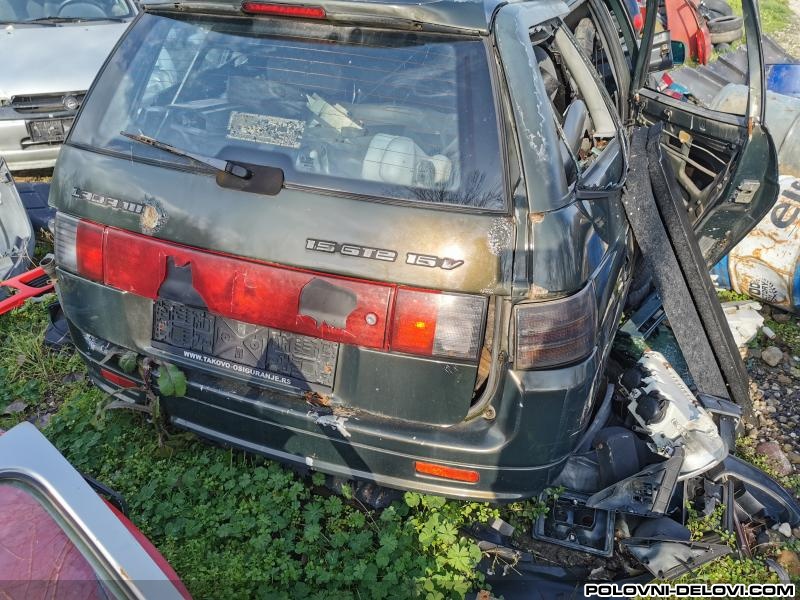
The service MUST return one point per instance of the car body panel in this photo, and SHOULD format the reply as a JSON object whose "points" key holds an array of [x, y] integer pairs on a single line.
{"points": [[17, 238], [482, 241], [732, 207], [46, 61], [42, 59], [472, 16], [120, 562]]}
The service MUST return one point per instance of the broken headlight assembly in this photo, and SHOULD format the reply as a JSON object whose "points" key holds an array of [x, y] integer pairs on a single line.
{"points": [[660, 454]]}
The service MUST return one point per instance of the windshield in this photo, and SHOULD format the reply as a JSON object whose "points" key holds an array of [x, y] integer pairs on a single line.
{"points": [[382, 114], [23, 11]]}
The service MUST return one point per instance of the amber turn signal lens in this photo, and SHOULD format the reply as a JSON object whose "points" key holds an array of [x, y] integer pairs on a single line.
{"points": [[434, 470]]}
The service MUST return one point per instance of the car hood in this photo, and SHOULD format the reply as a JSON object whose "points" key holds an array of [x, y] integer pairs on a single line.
{"points": [[45, 59]]}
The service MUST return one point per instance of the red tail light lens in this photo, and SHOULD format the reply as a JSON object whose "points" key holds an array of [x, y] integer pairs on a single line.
{"points": [[434, 324], [556, 332], [423, 322], [79, 246], [283, 10]]}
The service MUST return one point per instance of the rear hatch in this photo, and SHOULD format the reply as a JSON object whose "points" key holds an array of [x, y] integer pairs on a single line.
{"points": [[367, 277]]}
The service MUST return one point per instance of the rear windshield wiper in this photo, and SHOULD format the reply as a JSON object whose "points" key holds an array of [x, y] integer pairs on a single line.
{"points": [[217, 164], [257, 179]]}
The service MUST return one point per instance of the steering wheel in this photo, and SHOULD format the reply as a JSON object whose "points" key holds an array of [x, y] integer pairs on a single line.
{"points": [[67, 3]]}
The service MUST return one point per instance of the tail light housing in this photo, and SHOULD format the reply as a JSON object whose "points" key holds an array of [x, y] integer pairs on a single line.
{"points": [[283, 10], [438, 324], [79, 246], [382, 316], [555, 332]]}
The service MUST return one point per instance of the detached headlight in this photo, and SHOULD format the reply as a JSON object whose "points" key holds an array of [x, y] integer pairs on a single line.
{"points": [[555, 332]]}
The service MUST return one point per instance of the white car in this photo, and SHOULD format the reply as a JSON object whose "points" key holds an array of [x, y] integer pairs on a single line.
{"points": [[52, 50]]}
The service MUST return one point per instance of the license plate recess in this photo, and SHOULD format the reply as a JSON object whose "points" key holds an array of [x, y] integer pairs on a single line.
{"points": [[263, 355]]}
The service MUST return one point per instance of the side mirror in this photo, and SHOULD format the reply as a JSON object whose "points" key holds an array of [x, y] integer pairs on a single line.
{"points": [[678, 52], [661, 57]]}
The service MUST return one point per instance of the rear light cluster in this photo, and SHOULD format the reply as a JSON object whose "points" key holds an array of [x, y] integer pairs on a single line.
{"points": [[377, 315], [555, 332], [446, 325]]}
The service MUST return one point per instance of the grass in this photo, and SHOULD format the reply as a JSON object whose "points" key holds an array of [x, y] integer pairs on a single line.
{"points": [[234, 525], [775, 14]]}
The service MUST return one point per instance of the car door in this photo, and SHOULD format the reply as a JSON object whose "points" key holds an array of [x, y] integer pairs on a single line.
{"points": [[723, 157], [16, 233], [60, 539]]}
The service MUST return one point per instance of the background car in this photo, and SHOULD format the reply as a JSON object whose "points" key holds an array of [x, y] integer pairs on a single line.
{"points": [[51, 52]]}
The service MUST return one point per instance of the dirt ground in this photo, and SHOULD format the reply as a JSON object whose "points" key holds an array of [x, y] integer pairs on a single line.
{"points": [[789, 37]]}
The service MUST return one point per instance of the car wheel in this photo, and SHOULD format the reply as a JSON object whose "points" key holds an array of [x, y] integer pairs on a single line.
{"points": [[727, 37], [718, 6], [725, 24]]}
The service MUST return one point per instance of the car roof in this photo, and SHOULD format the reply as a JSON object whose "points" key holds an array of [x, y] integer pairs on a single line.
{"points": [[473, 16]]}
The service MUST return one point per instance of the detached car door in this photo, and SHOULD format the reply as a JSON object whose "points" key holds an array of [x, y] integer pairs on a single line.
{"points": [[61, 540], [724, 159]]}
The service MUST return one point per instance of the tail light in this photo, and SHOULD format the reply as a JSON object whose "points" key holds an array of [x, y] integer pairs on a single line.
{"points": [[79, 246], [422, 322], [434, 324], [283, 10], [556, 332]]}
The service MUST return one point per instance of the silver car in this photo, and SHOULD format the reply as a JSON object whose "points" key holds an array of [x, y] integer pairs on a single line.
{"points": [[52, 50]]}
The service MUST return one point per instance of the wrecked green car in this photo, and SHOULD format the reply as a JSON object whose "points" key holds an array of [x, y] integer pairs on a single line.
{"points": [[388, 241]]}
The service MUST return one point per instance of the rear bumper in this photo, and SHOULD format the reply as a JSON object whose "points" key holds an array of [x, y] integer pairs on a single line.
{"points": [[540, 415], [18, 154]]}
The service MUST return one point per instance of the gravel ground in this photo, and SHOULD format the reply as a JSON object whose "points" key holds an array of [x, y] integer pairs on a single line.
{"points": [[775, 390]]}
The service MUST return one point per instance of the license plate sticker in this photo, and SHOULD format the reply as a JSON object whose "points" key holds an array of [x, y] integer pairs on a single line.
{"points": [[49, 130], [262, 354]]}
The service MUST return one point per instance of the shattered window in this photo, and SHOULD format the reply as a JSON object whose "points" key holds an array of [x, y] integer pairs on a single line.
{"points": [[397, 115], [582, 111]]}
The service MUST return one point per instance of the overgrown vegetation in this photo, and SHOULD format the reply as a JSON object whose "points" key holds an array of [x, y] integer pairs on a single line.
{"points": [[235, 525], [238, 526], [775, 14]]}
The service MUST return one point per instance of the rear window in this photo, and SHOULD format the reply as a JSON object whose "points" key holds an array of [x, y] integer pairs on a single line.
{"points": [[394, 115]]}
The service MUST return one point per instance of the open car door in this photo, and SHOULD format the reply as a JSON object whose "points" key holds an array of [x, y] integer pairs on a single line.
{"points": [[724, 159]]}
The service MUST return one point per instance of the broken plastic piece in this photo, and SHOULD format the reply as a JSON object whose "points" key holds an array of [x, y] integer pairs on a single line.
{"points": [[27, 285], [572, 524], [778, 503], [647, 493], [682, 422], [668, 559], [327, 303]]}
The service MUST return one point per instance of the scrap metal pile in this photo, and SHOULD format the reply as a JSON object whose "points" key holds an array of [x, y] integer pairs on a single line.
{"points": [[655, 454]]}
